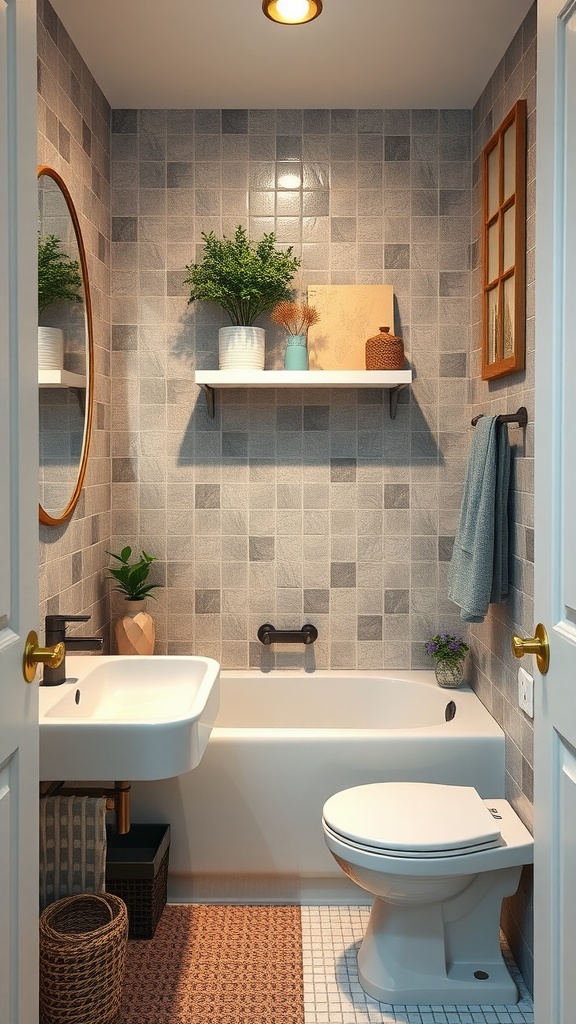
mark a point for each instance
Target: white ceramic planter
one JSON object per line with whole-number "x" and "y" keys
{"x": 241, "y": 348}
{"x": 50, "y": 348}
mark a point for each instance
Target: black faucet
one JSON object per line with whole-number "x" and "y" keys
{"x": 55, "y": 632}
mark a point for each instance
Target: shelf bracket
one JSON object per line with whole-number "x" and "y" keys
{"x": 80, "y": 394}
{"x": 209, "y": 392}
{"x": 394, "y": 392}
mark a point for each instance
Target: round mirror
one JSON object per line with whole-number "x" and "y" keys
{"x": 65, "y": 350}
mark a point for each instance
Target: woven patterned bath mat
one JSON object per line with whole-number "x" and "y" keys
{"x": 217, "y": 965}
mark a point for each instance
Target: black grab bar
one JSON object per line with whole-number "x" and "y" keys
{"x": 267, "y": 635}
{"x": 520, "y": 417}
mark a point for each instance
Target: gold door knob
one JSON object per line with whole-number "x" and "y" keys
{"x": 34, "y": 656}
{"x": 537, "y": 644}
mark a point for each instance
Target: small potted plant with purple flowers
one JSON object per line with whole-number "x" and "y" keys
{"x": 449, "y": 651}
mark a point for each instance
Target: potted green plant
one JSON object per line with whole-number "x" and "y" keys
{"x": 449, "y": 651}
{"x": 59, "y": 277}
{"x": 246, "y": 279}
{"x": 59, "y": 280}
{"x": 134, "y": 631}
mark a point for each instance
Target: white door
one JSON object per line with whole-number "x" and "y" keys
{"x": 555, "y": 527}
{"x": 18, "y": 515}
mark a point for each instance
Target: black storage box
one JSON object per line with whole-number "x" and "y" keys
{"x": 137, "y": 871}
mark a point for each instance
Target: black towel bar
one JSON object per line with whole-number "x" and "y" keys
{"x": 267, "y": 635}
{"x": 520, "y": 417}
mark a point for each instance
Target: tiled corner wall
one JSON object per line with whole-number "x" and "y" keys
{"x": 74, "y": 139}
{"x": 291, "y": 507}
{"x": 495, "y": 669}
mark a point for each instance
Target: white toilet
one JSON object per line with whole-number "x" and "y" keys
{"x": 439, "y": 861}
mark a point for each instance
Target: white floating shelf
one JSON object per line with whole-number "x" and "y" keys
{"x": 61, "y": 379}
{"x": 304, "y": 378}
{"x": 393, "y": 380}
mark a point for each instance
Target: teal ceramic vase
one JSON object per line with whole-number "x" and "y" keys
{"x": 296, "y": 354}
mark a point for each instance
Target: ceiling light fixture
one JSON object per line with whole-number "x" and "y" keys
{"x": 292, "y": 12}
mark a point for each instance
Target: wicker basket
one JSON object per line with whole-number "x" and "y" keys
{"x": 385, "y": 351}
{"x": 82, "y": 953}
{"x": 137, "y": 871}
{"x": 145, "y": 899}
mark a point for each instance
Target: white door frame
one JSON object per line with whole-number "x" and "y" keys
{"x": 18, "y": 514}
{"x": 555, "y": 515}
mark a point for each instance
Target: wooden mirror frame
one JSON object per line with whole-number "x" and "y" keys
{"x": 504, "y": 247}
{"x": 45, "y": 517}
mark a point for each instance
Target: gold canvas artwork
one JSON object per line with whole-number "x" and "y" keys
{"x": 349, "y": 315}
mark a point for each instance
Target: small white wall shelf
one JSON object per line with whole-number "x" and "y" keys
{"x": 392, "y": 380}
{"x": 75, "y": 382}
{"x": 60, "y": 379}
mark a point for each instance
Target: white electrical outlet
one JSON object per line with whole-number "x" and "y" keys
{"x": 526, "y": 692}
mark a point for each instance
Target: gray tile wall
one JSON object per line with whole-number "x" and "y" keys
{"x": 291, "y": 506}
{"x": 74, "y": 139}
{"x": 495, "y": 669}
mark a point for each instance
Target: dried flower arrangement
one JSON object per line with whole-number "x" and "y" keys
{"x": 295, "y": 317}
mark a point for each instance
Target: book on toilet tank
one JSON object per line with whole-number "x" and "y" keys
{"x": 349, "y": 315}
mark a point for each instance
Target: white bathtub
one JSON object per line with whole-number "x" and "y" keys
{"x": 246, "y": 824}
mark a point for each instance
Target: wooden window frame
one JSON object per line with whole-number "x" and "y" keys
{"x": 494, "y": 363}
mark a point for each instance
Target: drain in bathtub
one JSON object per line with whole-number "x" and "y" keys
{"x": 450, "y": 711}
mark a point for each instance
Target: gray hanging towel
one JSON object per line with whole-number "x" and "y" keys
{"x": 72, "y": 846}
{"x": 479, "y": 570}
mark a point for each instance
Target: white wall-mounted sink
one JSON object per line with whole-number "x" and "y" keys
{"x": 127, "y": 717}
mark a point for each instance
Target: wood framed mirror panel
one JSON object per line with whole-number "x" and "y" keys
{"x": 504, "y": 247}
{"x": 65, "y": 350}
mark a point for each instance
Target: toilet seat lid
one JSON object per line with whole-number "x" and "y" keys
{"x": 405, "y": 818}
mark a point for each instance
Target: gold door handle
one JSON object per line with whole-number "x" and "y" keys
{"x": 34, "y": 656}
{"x": 537, "y": 644}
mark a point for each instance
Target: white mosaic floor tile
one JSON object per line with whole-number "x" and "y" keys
{"x": 331, "y": 937}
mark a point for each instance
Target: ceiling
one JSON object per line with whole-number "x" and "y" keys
{"x": 357, "y": 54}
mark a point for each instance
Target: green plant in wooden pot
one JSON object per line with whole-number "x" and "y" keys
{"x": 247, "y": 279}
{"x": 135, "y": 631}
{"x": 59, "y": 280}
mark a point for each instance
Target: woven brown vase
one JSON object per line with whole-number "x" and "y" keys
{"x": 385, "y": 351}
